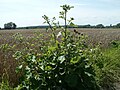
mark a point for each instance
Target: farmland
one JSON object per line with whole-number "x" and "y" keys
{"x": 95, "y": 36}
{"x": 30, "y": 40}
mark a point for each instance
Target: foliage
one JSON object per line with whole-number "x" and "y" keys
{"x": 106, "y": 66}
{"x": 115, "y": 44}
{"x": 62, "y": 64}
{"x": 4, "y": 85}
{"x": 118, "y": 25}
{"x": 10, "y": 25}
{"x": 100, "y": 26}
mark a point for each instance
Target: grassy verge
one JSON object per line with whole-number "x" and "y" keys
{"x": 107, "y": 68}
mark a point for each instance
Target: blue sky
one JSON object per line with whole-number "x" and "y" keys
{"x": 30, "y": 12}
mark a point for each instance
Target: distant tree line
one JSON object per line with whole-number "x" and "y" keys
{"x": 99, "y": 26}
{"x": 32, "y": 27}
{"x": 12, "y": 25}
{"x": 78, "y": 26}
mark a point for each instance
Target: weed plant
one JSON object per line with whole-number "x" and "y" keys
{"x": 62, "y": 63}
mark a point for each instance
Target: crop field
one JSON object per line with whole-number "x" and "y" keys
{"x": 31, "y": 40}
{"x": 94, "y": 36}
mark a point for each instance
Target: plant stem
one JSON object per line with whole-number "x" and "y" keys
{"x": 52, "y": 30}
{"x": 65, "y": 26}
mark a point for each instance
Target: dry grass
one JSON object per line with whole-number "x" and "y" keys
{"x": 104, "y": 36}
{"x": 8, "y": 63}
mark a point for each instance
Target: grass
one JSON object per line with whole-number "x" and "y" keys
{"x": 109, "y": 73}
{"x": 114, "y": 58}
{"x": 10, "y": 42}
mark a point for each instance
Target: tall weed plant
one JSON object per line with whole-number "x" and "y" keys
{"x": 62, "y": 64}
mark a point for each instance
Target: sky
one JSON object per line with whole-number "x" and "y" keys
{"x": 30, "y": 12}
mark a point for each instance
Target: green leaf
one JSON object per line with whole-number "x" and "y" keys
{"x": 59, "y": 34}
{"x": 74, "y": 60}
{"x": 89, "y": 74}
{"x": 33, "y": 58}
{"x": 61, "y": 58}
{"x": 17, "y": 55}
{"x": 48, "y": 68}
{"x": 73, "y": 25}
{"x": 27, "y": 68}
{"x": 18, "y": 68}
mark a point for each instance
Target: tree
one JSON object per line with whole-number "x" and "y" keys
{"x": 118, "y": 25}
{"x": 87, "y": 26}
{"x": 100, "y": 26}
{"x": 10, "y": 25}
